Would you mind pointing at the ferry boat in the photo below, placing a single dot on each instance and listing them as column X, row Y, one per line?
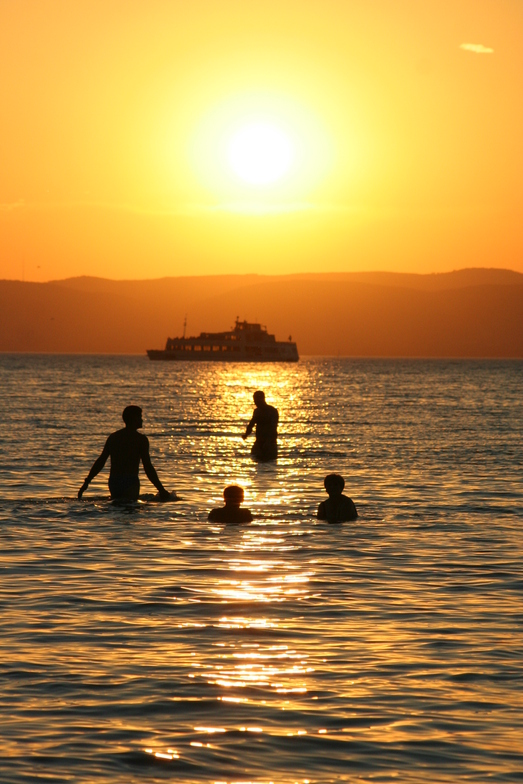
column 245, row 343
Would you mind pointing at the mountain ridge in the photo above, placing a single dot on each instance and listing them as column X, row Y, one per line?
column 466, row 313
column 453, row 279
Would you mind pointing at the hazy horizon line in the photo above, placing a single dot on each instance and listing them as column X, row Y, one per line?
column 270, row 275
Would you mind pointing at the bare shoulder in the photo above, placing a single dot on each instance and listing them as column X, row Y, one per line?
column 349, row 507
column 143, row 442
column 115, row 438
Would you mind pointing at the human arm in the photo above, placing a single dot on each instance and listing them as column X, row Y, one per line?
column 321, row 514
column 248, row 429
column 150, row 471
column 96, row 468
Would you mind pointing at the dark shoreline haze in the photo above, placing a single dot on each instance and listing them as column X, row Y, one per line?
column 465, row 313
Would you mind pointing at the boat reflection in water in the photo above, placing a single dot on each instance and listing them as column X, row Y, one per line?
column 245, row 343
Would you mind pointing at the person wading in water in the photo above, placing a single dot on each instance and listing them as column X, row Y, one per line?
column 126, row 448
column 265, row 419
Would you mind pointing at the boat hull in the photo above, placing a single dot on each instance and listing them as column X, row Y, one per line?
column 189, row 356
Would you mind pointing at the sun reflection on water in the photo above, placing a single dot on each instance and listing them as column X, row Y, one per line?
column 282, row 643
column 277, row 668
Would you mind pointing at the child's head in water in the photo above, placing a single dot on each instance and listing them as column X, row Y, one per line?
column 232, row 512
column 334, row 484
column 233, row 495
column 337, row 508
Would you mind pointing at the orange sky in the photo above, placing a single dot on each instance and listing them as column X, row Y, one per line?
column 406, row 116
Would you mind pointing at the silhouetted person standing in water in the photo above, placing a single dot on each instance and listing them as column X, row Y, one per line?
column 126, row 448
column 265, row 419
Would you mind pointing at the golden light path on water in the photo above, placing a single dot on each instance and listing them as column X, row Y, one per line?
column 147, row 642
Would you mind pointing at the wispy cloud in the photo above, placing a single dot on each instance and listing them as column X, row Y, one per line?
column 13, row 205
column 477, row 48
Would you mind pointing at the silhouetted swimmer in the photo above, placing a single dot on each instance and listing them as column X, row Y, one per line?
column 231, row 512
column 338, row 508
column 265, row 419
column 126, row 448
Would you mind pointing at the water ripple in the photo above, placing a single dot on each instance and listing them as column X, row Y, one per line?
column 144, row 644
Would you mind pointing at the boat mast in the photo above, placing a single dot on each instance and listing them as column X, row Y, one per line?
column 184, row 325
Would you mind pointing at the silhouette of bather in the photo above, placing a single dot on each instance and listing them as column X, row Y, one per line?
column 126, row 448
column 265, row 419
column 338, row 508
column 231, row 512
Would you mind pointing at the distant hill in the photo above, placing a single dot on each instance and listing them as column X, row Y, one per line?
column 465, row 313
column 439, row 281
column 187, row 284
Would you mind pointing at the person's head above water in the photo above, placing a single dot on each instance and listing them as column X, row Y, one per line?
column 132, row 416
column 334, row 483
column 233, row 495
column 233, row 511
column 259, row 398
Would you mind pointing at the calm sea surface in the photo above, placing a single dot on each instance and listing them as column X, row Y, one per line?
column 145, row 644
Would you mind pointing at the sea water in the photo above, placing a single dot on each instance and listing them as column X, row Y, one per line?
column 145, row 644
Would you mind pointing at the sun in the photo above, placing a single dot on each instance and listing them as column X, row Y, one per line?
column 260, row 153
column 257, row 152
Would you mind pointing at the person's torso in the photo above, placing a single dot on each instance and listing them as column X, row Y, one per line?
column 266, row 418
column 126, row 452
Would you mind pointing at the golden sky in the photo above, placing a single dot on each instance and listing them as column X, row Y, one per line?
column 401, row 120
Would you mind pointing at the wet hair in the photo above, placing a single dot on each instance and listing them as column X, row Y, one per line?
column 259, row 395
column 233, row 493
column 131, row 412
column 333, row 480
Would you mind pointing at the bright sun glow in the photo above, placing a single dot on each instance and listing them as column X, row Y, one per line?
column 260, row 153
